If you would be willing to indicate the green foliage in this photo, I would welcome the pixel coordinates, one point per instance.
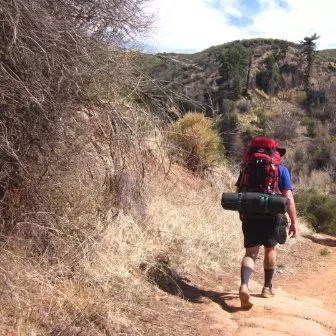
(262, 79)
(250, 43)
(196, 141)
(234, 120)
(274, 43)
(311, 129)
(326, 55)
(319, 209)
(288, 68)
(314, 98)
(306, 121)
(308, 47)
(324, 252)
(332, 138)
(263, 124)
(268, 78)
(234, 62)
(250, 133)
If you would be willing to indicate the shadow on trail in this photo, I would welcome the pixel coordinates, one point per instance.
(330, 241)
(170, 282)
(195, 294)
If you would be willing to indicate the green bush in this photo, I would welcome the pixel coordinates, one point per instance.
(196, 141)
(306, 121)
(318, 209)
(288, 68)
(268, 78)
(315, 98)
(233, 67)
(311, 129)
(234, 120)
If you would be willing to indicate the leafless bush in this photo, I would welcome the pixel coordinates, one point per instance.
(326, 112)
(54, 57)
(243, 105)
(285, 127)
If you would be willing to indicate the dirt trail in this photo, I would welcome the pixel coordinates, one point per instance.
(305, 301)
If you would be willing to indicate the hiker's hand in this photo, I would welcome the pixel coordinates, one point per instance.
(293, 230)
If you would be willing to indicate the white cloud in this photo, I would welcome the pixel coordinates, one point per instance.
(192, 24)
(299, 20)
(199, 24)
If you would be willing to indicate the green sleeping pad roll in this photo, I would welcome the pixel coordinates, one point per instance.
(254, 202)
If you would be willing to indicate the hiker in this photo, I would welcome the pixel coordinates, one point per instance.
(263, 229)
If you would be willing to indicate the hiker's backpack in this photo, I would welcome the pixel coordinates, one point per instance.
(260, 167)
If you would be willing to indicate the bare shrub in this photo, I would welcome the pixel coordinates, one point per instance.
(70, 158)
(318, 179)
(113, 21)
(243, 105)
(285, 127)
(53, 60)
(326, 111)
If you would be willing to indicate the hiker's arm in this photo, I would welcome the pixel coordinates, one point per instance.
(291, 210)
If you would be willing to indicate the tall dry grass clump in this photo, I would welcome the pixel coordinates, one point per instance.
(83, 216)
(196, 141)
(70, 142)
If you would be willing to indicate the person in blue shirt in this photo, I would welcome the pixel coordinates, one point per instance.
(260, 231)
(284, 178)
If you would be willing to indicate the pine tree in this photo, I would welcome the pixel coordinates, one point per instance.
(234, 62)
(308, 46)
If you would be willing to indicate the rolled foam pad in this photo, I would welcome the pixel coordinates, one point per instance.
(253, 202)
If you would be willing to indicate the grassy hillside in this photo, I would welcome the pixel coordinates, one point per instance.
(327, 55)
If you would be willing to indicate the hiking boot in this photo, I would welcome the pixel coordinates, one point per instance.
(267, 292)
(244, 296)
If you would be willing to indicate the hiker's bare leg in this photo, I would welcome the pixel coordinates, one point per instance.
(270, 258)
(269, 267)
(248, 262)
(247, 267)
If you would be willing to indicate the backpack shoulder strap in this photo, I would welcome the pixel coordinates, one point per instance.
(240, 182)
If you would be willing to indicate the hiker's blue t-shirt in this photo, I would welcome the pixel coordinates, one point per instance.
(284, 178)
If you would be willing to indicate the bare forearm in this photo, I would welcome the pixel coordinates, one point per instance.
(291, 210)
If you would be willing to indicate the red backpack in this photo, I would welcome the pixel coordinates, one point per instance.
(260, 168)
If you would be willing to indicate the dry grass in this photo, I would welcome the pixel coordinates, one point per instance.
(76, 224)
(318, 179)
(84, 273)
(292, 96)
(192, 225)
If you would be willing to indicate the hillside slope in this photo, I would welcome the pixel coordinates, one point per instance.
(196, 81)
(275, 103)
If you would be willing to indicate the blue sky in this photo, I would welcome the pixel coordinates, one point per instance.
(194, 25)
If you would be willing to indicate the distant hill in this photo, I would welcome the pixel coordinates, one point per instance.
(195, 79)
(270, 99)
